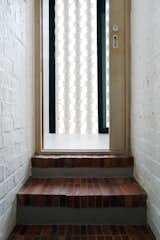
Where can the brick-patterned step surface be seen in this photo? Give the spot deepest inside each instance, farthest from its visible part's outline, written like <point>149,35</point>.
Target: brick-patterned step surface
<point>82,193</point>
<point>104,161</point>
<point>77,232</point>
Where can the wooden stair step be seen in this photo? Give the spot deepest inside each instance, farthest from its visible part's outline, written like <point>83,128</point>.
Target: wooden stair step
<point>82,193</point>
<point>81,232</point>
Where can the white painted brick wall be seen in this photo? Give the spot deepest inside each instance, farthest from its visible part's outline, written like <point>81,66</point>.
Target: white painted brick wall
<point>16,104</point>
<point>145,111</point>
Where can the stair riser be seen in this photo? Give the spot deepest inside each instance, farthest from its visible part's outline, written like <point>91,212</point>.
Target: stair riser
<point>82,161</point>
<point>82,172</point>
<point>108,216</point>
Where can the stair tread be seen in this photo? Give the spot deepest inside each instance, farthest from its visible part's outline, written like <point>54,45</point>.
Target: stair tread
<point>73,161</point>
<point>82,192</point>
<point>78,232</point>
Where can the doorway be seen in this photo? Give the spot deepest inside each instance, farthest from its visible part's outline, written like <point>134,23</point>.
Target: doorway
<point>85,76</point>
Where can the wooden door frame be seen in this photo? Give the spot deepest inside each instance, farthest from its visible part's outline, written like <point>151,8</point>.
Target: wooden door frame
<point>120,77</point>
<point>125,149</point>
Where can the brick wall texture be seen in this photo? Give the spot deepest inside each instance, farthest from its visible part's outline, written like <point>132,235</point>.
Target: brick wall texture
<point>16,104</point>
<point>145,106</point>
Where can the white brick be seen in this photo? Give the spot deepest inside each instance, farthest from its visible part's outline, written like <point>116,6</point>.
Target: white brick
<point>2,190</point>
<point>7,124</point>
<point>9,184</point>
<point>8,139</point>
<point>1,142</point>
<point>2,173</point>
<point>19,136</point>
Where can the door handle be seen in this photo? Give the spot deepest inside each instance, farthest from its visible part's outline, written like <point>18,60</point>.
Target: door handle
<point>115,41</point>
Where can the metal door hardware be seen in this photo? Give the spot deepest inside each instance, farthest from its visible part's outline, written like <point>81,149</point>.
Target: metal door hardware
<point>115,28</point>
<point>115,41</point>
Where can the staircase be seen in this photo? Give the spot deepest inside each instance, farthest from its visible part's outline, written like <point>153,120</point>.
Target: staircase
<point>81,197</point>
